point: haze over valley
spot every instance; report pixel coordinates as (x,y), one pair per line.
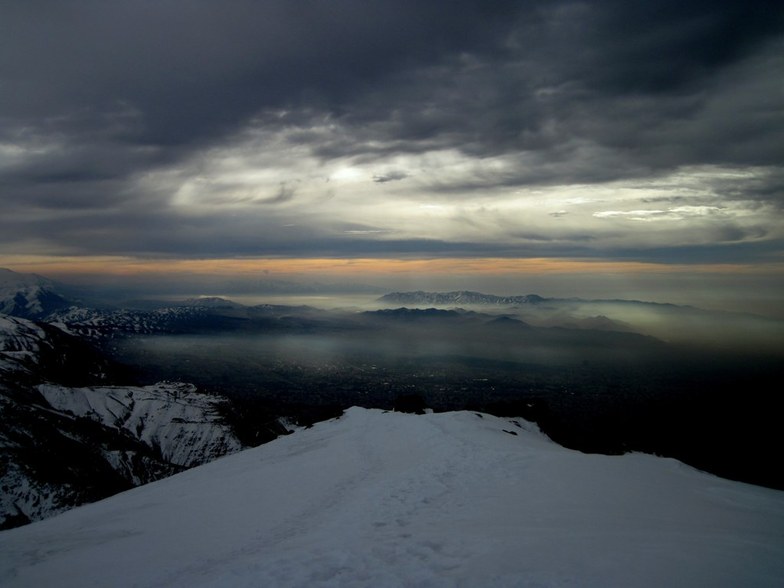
(590,373)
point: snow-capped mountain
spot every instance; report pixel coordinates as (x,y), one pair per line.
(98,324)
(67,437)
(456,298)
(391,499)
(214,302)
(28,295)
(34,297)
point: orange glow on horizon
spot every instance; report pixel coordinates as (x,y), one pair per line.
(128,267)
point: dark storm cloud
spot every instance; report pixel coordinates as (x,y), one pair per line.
(707,253)
(165,73)
(172,235)
(167,234)
(591,92)
(95,96)
(120,88)
(656,47)
(762,187)
(193,71)
(390,176)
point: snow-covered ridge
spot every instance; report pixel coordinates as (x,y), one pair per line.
(52,457)
(182,424)
(20,343)
(97,323)
(390,499)
(31,296)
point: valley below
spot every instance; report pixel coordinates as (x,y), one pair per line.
(657,399)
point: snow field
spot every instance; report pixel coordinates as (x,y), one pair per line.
(389,499)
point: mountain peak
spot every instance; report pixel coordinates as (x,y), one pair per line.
(28,295)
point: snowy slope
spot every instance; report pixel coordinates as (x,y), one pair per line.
(389,499)
(28,295)
(182,424)
(91,323)
(21,342)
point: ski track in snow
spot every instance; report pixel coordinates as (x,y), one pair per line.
(375,499)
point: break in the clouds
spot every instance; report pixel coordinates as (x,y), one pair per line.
(618,130)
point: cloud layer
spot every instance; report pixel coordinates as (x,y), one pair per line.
(614,130)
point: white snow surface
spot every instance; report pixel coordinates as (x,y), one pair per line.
(184,425)
(390,499)
(20,340)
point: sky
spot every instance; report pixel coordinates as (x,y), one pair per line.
(450,142)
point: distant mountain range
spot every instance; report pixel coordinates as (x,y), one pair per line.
(458,297)
(469,297)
